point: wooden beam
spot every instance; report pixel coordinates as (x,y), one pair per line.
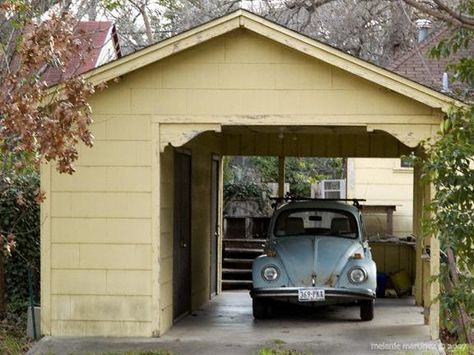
(417,215)
(156,231)
(281,176)
(434,307)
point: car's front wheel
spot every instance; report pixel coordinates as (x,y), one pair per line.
(260,308)
(367,310)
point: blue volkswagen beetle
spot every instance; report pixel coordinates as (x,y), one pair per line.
(315,254)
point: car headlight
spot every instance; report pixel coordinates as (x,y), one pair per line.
(270,273)
(357,275)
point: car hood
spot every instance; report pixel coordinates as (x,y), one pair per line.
(308,257)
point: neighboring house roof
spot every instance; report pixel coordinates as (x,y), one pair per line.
(275,32)
(99,45)
(418,66)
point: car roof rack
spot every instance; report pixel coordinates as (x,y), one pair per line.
(279,200)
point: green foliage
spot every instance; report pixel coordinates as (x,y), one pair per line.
(300,173)
(278,349)
(111,4)
(246,178)
(461,349)
(242,183)
(244,189)
(463,69)
(145,352)
(13,345)
(19,214)
(449,167)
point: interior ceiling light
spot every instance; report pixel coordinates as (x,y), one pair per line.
(281,135)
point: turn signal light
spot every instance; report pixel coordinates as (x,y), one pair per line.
(270,252)
(357,256)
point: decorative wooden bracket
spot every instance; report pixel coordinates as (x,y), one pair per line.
(178,134)
(410,135)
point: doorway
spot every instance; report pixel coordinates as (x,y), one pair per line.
(214,223)
(182,236)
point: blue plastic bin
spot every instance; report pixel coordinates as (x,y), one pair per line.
(381,284)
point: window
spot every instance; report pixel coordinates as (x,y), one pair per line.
(406,162)
(333,188)
(316,222)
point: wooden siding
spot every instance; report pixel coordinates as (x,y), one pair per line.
(114,217)
(391,258)
(100,235)
(166,239)
(383,182)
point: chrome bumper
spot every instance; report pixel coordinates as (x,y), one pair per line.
(347,294)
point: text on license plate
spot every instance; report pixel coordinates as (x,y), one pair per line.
(311,294)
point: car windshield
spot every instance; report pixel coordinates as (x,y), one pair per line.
(316,222)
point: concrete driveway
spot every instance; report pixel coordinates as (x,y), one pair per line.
(226,326)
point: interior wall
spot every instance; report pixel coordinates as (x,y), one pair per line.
(202,150)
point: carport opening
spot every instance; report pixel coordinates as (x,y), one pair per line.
(385,184)
(238,231)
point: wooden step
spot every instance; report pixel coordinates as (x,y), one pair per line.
(236,282)
(243,250)
(239,255)
(238,260)
(231,263)
(236,285)
(244,241)
(236,271)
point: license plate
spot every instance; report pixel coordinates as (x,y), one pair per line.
(311,295)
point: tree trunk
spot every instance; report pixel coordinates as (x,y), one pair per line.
(464,321)
(146,21)
(2,286)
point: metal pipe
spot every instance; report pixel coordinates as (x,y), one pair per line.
(32,305)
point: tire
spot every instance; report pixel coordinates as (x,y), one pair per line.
(367,310)
(260,308)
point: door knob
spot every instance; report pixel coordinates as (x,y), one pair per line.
(184,245)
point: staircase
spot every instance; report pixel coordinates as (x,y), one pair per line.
(238,255)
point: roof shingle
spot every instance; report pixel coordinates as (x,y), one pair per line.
(418,66)
(93,36)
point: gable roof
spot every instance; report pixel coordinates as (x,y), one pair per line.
(417,65)
(249,21)
(95,37)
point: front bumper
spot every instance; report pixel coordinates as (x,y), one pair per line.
(331,294)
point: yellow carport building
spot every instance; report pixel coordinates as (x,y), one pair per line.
(130,242)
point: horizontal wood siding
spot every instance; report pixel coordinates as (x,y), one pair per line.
(101,242)
(99,222)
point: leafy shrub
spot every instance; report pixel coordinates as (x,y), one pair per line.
(19,215)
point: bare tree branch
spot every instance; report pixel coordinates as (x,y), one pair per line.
(142,8)
(441,13)
(459,15)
